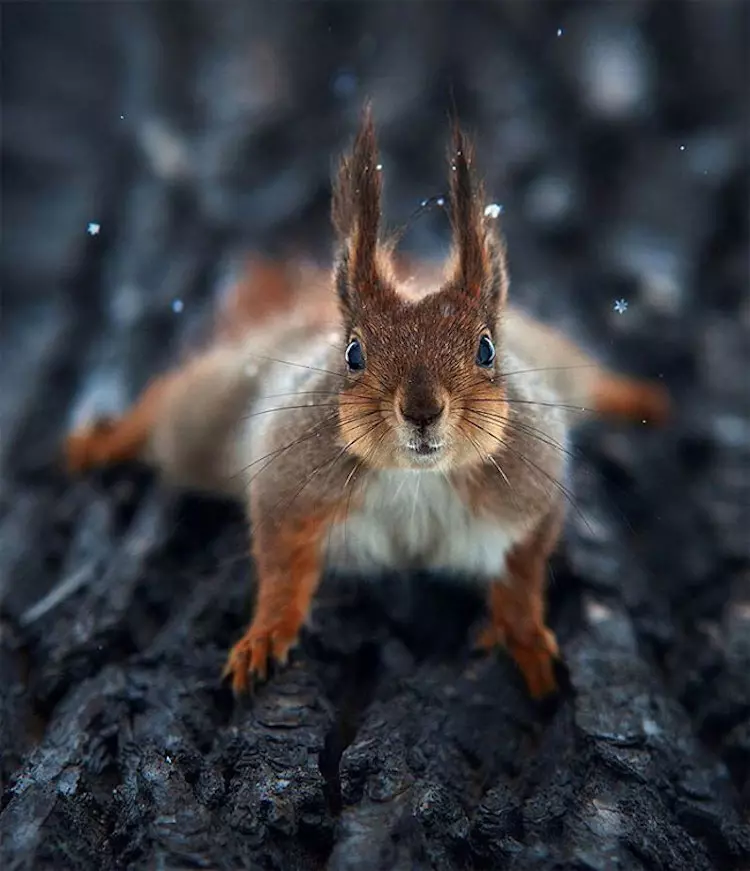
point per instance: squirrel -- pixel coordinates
(427, 429)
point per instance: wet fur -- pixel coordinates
(330, 462)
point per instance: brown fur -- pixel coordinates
(516, 618)
(272, 414)
(288, 562)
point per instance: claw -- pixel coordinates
(534, 655)
(249, 658)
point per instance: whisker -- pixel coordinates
(580, 409)
(574, 454)
(416, 498)
(505, 477)
(352, 479)
(332, 421)
(307, 434)
(527, 428)
(344, 450)
(489, 457)
(346, 377)
(342, 375)
(312, 393)
(346, 483)
(549, 369)
(531, 464)
(338, 404)
(289, 408)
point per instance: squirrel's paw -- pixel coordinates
(248, 659)
(535, 655)
(86, 447)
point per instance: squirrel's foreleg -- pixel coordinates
(516, 610)
(288, 566)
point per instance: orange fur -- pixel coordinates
(630, 399)
(107, 441)
(273, 410)
(516, 606)
(288, 566)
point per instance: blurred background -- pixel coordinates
(147, 147)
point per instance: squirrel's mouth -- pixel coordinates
(425, 449)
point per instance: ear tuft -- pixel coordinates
(357, 189)
(356, 214)
(479, 255)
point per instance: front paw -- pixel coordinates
(534, 653)
(248, 660)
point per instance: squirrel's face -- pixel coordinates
(423, 390)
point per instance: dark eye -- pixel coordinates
(355, 358)
(486, 352)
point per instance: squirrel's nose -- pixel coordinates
(421, 403)
(422, 415)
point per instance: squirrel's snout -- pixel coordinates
(422, 415)
(421, 402)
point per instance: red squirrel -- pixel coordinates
(427, 428)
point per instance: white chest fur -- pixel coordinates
(416, 520)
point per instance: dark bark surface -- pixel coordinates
(192, 132)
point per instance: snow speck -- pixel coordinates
(379, 166)
(440, 201)
(597, 612)
(560, 31)
(620, 306)
(177, 306)
(122, 117)
(682, 148)
(93, 228)
(344, 84)
(169, 760)
(494, 210)
(615, 73)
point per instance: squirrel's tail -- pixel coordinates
(578, 379)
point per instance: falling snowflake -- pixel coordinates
(560, 31)
(494, 210)
(379, 166)
(682, 148)
(177, 306)
(620, 306)
(344, 83)
(93, 228)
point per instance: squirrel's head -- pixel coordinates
(423, 388)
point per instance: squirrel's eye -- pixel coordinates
(355, 358)
(486, 352)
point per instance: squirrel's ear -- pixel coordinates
(361, 264)
(478, 266)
